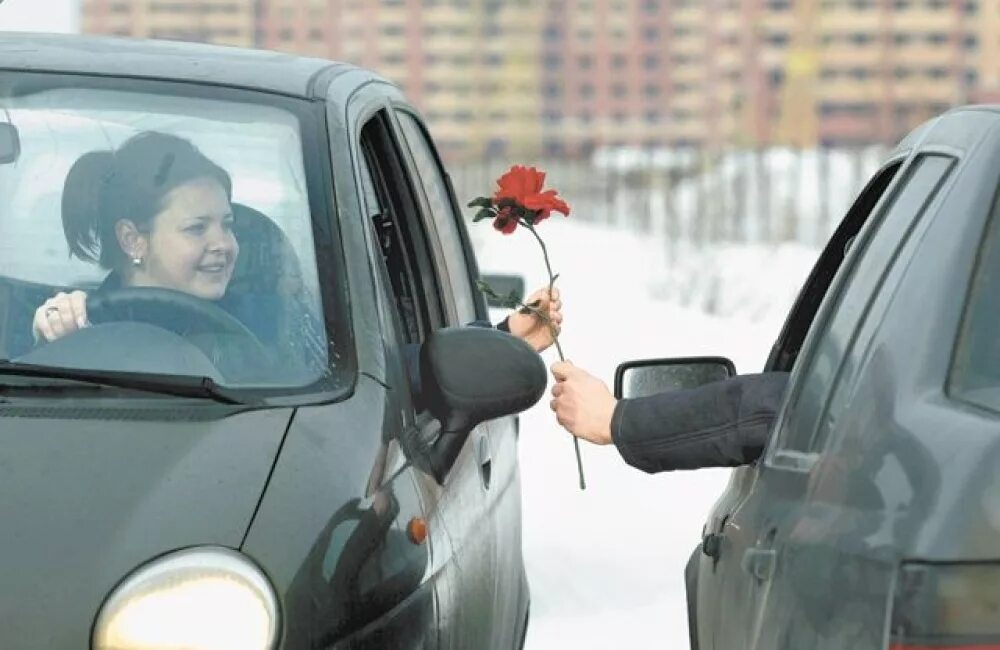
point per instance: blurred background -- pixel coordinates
(707, 147)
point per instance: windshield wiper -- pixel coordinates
(176, 385)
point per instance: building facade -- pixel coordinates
(524, 77)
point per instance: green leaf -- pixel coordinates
(485, 213)
(532, 305)
(481, 202)
(512, 300)
(487, 289)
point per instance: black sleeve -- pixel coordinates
(722, 424)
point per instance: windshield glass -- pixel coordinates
(146, 229)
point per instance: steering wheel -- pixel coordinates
(202, 321)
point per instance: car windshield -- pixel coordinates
(162, 228)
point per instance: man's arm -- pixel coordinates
(722, 424)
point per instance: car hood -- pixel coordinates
(85, 499)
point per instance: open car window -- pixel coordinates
(265, 327)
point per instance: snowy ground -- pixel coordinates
(606, 565)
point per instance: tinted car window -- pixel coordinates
(877, 249)
(436, 190)
(267, 274)
(975, 373)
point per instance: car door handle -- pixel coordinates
(759, 562)
(711, 545)
(485, 458)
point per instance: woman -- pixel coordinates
(156, 213)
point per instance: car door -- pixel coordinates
(758, 549)
(496, 451)
(705, 599)
(417, 300)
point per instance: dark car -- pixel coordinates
(326, 456)
(872, 519)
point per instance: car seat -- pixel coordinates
(267, 279)
(267, 292)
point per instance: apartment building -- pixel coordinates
(565, 76)
(227, 22)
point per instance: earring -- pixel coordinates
(137, 261)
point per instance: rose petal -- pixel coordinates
(505, 224)
(547, 200)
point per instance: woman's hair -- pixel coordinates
(131, 182)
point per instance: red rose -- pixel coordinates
(505, 221)
(518, 182)
(523, 185)
(545, 203)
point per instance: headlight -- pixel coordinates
(207, 598)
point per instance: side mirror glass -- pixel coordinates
(650, 376)
(473, 374)
(504, 285)
(10, 144)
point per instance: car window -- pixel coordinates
(975, 371)
(786, 348)
(446, 222)
(211, 195)
(398, 265)
(879, 248)
(401, 238)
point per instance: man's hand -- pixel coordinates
(582, 403)
(531, 327)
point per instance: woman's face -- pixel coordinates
(191, 246)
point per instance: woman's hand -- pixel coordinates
(532, 327)
(62, 314)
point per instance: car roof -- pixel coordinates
(173, 60)
(942, 127)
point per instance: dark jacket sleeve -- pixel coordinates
(722, 424)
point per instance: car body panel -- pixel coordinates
(84, 505)
(870, 463)
(341, 483)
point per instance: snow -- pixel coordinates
(606, 565)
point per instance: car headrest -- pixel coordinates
(267, 262)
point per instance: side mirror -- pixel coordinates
(10, 143)
(473, 374)
(650, 376)
(503, 285)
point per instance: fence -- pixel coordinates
(734, 233)
(691, 196)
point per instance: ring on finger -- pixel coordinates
(49, 311)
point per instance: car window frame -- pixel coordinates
(339, 380)
(416, 411)
(780, 453)
(990, 235)
(414, 229)
(805, 309)
(467, 272)
(878, 300)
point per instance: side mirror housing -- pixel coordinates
(650, 376)
(473, 374)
